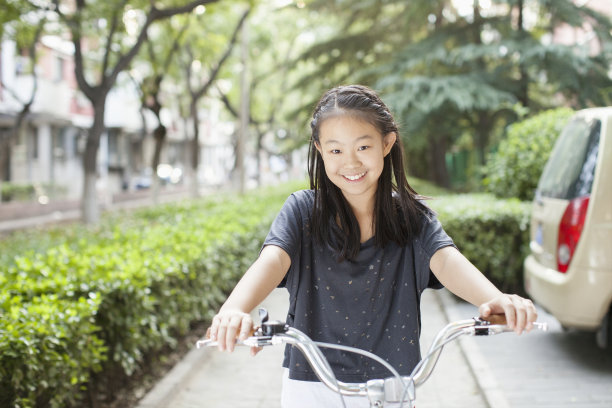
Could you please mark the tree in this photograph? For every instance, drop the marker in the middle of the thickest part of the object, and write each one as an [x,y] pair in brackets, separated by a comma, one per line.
[198,86]
[159,56]
[467,67]
[25,26]
[112,22]
[272,48]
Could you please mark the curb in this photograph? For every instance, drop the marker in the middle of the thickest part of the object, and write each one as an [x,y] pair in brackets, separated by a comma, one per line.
[165,390]
[491,391]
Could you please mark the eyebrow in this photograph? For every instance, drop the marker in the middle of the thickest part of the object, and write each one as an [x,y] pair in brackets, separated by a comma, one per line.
[356,140]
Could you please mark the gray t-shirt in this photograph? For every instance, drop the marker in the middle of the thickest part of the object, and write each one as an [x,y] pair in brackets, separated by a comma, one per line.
[371,302]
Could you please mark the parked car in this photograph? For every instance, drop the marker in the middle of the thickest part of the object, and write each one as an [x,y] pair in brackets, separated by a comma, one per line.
[569,269]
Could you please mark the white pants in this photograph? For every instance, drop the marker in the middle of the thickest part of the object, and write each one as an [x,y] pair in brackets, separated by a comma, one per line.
[309,394]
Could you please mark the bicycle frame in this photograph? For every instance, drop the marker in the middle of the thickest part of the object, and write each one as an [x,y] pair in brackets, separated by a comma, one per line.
[395,389]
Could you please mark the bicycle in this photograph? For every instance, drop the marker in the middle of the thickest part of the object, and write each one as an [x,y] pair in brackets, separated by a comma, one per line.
[394,389]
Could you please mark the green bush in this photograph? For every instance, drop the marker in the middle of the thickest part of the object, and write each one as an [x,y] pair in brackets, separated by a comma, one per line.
[16,192]
[48,347]
[492,233]
[515,169]
[151,274]
[29,192]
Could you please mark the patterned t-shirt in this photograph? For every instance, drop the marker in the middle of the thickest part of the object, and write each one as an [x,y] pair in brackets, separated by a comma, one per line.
[371,302]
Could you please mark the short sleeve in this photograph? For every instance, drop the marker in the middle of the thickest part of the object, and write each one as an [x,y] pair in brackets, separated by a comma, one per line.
[431,238]
[287,228]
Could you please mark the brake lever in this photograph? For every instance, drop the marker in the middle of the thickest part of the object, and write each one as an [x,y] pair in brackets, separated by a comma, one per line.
[485,328]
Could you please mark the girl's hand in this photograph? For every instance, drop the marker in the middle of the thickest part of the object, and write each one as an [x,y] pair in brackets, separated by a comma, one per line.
[520,313]
[227,326]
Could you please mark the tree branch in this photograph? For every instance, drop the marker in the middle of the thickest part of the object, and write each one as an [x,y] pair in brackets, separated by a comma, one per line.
[109,38]
[226,55]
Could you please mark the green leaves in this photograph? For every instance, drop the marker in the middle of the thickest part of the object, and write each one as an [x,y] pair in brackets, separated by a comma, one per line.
[514,171]
[491,233]
[100,300]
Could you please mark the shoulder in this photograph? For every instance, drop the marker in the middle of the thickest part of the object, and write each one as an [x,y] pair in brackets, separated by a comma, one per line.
[303,199]
[299,203]
[303,195]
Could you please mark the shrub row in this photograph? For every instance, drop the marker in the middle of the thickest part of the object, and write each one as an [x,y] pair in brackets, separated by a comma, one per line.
[84,313]
[492,233]
[515,169]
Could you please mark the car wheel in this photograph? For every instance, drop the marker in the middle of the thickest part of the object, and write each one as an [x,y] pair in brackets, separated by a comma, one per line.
[603,337]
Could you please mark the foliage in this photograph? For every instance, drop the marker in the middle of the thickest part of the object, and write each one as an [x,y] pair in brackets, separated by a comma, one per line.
[514,170]
[449,71]
[492,233]
[91,307]
[28,192]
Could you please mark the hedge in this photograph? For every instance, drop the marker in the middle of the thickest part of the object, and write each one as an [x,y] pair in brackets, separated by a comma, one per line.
[82,315]
[492,233]
[515,169]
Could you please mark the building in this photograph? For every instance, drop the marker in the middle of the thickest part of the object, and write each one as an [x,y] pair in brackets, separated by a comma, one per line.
[48,153]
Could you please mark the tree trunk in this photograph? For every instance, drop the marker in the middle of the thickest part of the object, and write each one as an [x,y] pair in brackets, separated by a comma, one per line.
[195,149]
[483,130]
[437,154]
[89,203]
[523,93]
[159,134]
[244,113]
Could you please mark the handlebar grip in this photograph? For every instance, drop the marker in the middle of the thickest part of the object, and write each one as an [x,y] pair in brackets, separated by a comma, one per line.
[495,319]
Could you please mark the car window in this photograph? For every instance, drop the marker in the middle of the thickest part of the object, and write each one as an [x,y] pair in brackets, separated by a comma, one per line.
[570,169]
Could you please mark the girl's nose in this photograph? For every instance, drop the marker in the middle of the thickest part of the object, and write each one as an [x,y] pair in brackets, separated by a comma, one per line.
[352,160]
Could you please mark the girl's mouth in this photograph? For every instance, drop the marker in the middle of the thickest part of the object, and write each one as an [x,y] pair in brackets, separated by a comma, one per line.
[355,177]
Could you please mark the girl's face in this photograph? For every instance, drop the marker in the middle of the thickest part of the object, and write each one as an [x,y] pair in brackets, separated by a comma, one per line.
[353,153]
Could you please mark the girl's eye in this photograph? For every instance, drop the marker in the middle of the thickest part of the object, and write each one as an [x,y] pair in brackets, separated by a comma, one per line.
[335,151]
[363,148]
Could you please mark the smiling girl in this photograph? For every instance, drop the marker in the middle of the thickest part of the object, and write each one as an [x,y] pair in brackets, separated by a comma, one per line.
[355,252]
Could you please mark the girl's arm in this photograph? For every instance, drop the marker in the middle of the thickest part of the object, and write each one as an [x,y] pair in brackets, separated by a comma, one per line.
[255,285]
[462,278]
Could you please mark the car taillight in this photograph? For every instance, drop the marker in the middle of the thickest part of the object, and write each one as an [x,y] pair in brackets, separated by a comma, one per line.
[570,230]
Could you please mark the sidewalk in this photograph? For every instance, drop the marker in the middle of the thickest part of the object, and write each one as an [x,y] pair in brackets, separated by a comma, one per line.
[17,216]
[208,378]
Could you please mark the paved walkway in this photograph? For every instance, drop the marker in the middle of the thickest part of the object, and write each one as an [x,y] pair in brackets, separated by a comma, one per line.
[208,378]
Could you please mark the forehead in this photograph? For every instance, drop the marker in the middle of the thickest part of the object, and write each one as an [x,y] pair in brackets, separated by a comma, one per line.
[346,129]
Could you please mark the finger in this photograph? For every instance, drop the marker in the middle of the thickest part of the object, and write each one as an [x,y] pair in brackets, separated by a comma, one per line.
[232,331]
[255,350]
[510,312]
[211,333]
[484,310]
[532,314]
[221,334]
[245,328]
[521,314]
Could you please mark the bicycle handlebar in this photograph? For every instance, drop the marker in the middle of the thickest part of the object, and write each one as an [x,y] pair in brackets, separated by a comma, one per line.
[392,389]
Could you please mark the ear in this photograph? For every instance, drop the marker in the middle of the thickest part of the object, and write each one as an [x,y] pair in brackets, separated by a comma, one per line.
[317,145]
[388,142]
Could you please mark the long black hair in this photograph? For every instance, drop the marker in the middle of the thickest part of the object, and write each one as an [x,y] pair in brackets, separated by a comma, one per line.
[398,210]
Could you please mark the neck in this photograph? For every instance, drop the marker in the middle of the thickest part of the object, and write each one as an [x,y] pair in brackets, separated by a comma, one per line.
[364,212]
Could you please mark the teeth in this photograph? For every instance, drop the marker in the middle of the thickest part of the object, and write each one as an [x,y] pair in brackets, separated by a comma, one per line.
[355,177]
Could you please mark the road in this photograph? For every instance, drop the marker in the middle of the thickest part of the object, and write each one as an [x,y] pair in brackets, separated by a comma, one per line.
[555,369]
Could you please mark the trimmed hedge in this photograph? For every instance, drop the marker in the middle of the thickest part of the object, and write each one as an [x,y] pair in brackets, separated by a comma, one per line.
[83,314]
[492,233]
[515,169]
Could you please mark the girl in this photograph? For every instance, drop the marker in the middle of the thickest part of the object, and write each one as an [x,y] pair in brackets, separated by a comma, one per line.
[355,253]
